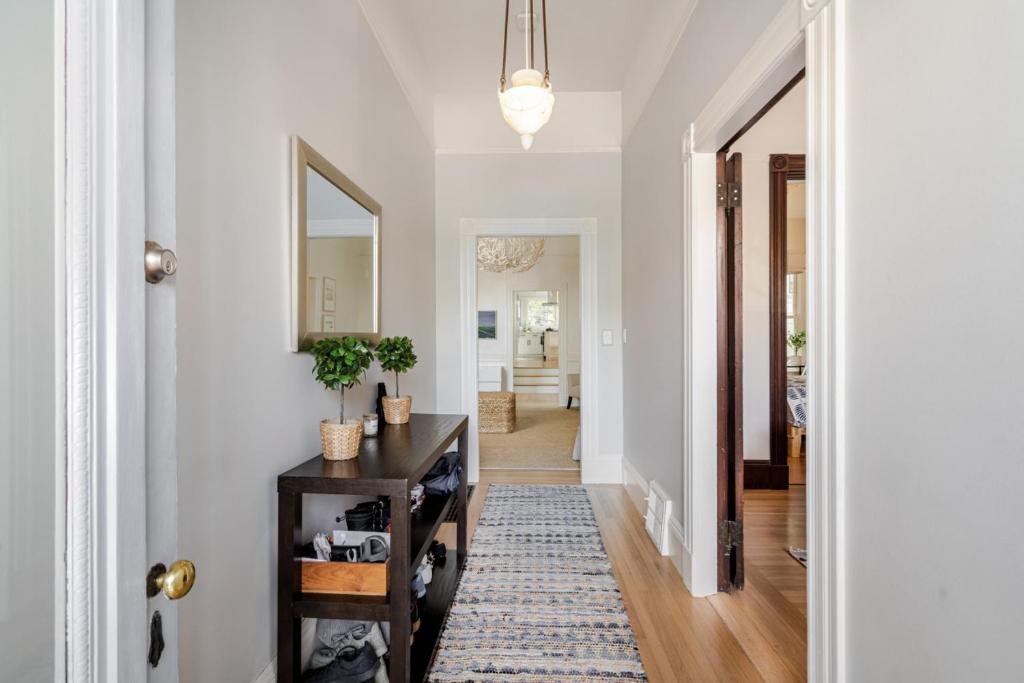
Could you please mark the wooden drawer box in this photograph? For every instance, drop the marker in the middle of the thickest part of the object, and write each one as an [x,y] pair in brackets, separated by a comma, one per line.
[346,578]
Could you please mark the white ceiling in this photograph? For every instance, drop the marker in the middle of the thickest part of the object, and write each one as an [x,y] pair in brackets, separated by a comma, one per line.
[441,48]
[591,41]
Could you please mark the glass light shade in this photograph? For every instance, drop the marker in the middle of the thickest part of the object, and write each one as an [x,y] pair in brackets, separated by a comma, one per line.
[527,105]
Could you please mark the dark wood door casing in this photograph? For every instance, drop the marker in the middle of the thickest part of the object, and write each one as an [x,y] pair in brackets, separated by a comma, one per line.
[730,367]
[782,169]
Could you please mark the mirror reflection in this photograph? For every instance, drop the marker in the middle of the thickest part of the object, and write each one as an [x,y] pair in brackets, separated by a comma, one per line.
[340,259]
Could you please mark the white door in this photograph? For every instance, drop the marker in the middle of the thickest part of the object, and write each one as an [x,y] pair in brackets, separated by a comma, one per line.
[88,466]
[161,328]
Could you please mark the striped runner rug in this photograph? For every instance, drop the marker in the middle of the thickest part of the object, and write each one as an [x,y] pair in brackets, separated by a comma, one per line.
[537,600]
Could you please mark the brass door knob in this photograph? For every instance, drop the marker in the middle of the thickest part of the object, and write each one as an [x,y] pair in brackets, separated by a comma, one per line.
[175,582]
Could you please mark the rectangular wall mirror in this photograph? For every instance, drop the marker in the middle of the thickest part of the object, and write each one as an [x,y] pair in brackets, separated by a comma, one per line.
[336,253]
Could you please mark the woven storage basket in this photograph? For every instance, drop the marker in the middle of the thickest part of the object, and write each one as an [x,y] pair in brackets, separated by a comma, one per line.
[340,441]
[396,409]
[497,412]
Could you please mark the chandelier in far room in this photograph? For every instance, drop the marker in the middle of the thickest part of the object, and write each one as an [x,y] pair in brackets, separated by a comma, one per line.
[527,104]
[508,254]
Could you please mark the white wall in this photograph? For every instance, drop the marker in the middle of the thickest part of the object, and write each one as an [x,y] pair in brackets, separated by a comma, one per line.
[531,185]
[934,332]
[28,402]
[249,75]
[783,130]
[716,37]
[558,269]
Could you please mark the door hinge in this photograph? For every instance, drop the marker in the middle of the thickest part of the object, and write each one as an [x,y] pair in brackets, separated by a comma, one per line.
[729,195]
[730,534]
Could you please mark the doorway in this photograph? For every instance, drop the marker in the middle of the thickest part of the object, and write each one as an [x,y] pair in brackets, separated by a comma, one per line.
[528,345]
[473,310]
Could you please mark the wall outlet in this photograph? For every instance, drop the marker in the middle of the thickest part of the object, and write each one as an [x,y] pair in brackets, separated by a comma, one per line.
[606,337]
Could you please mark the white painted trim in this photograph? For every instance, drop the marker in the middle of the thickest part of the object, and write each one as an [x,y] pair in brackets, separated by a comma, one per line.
[826,387]
[339,227]
[269,674]
[819,25]
[105,324]
[718,121]
[637,488]
[700,376]
[594,468]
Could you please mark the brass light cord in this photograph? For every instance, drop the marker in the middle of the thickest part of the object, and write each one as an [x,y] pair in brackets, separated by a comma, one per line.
[504,50]
[530,18]
[547,71]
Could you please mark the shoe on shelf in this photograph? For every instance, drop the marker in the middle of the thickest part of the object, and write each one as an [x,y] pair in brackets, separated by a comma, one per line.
[352,665]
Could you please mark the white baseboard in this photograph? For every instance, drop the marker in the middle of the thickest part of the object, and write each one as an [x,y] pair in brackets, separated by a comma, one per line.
[269,674]
[637,488]
[605,469]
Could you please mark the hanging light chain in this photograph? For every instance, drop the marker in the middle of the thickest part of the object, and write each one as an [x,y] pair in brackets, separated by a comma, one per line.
[544,11]
[529,31]
[504,50]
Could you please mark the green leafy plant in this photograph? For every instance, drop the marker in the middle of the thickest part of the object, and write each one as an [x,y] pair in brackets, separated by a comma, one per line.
[339,363]
[396,355]
[797,341]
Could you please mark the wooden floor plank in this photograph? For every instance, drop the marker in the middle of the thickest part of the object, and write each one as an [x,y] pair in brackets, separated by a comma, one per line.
[758,634]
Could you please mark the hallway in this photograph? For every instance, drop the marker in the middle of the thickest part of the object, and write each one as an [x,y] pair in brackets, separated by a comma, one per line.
[758,634]
[543,438]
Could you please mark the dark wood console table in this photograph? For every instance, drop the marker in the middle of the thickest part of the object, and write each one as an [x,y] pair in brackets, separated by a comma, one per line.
[389,464]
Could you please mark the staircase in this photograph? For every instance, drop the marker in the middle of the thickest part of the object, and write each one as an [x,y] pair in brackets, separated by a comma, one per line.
[535,380]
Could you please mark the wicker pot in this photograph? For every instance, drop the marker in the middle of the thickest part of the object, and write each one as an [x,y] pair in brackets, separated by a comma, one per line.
[396,409]
[341,441]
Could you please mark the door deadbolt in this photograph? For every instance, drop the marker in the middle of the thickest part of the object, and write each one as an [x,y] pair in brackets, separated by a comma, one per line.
[160,262]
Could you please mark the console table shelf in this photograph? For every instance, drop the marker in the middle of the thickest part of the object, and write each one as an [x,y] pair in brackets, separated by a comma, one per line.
[389,464]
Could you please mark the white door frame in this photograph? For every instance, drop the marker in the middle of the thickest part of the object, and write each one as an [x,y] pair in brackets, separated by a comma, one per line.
[805,32]
[101,62]
[510,356]
[586,230]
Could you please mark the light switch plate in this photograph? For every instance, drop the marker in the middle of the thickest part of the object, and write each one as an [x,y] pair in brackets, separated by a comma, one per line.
[606,337]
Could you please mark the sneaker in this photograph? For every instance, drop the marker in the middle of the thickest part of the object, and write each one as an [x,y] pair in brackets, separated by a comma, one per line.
[350,666]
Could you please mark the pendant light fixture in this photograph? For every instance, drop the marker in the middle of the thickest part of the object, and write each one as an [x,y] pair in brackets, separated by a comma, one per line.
[527,103]
[508,254]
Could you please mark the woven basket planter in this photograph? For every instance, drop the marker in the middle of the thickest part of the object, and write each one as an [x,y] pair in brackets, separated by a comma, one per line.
[497,412]
[341,441]
[397,409]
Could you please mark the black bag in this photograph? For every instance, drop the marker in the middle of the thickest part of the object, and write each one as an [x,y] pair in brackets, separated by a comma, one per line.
[443,478]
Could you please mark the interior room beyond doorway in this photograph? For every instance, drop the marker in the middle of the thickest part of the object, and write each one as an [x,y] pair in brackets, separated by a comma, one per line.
[529,356]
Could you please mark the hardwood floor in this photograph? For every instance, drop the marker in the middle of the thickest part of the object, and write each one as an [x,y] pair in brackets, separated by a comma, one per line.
[757,634]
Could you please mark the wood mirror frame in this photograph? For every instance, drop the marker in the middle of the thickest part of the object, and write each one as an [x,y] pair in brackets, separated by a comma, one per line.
[304,157]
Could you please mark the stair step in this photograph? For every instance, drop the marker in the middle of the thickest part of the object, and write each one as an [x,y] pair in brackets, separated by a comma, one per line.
[543,389]
[536,372]
[537,381]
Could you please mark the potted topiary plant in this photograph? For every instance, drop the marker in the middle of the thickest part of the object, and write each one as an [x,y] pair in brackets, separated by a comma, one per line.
[797,341]
[339,364]
[396,355]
